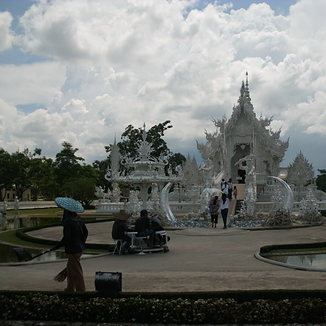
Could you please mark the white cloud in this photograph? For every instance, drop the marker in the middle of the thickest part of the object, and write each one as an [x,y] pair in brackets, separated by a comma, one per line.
[128,62]
[6,35]
[31,83]
[311,114]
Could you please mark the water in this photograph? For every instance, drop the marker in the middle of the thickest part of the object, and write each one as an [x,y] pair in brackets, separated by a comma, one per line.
[306,260]
[9,255]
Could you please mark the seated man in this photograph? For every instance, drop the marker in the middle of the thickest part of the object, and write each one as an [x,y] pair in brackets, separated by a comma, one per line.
[119,228]
[143,227]
[156,225]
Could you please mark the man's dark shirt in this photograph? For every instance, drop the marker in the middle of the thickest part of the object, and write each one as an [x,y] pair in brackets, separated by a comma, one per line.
[118,229]
[142,224]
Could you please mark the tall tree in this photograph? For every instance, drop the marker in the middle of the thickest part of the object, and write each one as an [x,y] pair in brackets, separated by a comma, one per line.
[81,189]
[321,180]
[101,167]
[43,177]
[67,164]
[175,160]
[20,171]
[132,137]
[5,173]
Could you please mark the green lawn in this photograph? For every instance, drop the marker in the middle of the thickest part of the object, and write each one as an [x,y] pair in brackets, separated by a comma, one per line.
[40,217]
[37,212]
[10,237]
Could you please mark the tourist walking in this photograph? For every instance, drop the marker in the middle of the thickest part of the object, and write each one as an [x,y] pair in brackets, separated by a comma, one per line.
[235,192]
[214,207]
[224,204]
[230,188]
[74,237]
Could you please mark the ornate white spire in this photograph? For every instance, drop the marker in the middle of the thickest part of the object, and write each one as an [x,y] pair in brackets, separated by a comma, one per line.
[246,91]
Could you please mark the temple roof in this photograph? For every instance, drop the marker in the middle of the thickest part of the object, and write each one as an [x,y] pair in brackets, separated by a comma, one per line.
[245,110]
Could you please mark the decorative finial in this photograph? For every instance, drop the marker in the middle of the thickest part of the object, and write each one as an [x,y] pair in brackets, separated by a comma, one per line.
[247,94]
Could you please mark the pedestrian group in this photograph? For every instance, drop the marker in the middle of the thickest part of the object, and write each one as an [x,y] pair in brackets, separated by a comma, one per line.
[217,205]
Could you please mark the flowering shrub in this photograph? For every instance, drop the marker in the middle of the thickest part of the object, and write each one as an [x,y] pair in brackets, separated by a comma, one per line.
[40,306]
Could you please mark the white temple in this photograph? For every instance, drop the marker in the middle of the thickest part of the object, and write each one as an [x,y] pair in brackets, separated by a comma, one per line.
[241,141]
[243,148]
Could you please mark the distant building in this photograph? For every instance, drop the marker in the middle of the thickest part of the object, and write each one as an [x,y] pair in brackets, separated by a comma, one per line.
[10,195]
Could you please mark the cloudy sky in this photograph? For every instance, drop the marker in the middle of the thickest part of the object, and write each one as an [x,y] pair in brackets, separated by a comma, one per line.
[82,70]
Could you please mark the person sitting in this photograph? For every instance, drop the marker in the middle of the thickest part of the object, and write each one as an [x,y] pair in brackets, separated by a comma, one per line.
[143,228]
[156,225]
[119,230]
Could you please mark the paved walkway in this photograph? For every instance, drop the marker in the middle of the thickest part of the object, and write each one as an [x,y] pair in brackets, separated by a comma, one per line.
[199,260]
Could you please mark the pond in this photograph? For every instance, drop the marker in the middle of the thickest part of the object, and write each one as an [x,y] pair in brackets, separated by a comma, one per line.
[11,254]
[315,261]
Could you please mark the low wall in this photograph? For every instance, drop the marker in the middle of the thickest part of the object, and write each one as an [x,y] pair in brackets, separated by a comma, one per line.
[30,204]
[267,206]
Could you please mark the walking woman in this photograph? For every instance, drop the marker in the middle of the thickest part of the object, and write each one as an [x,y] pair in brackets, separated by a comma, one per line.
[214,206]
[74,237]
[224,208]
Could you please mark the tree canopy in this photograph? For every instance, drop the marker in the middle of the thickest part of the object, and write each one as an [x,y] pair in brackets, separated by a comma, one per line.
[132,137]
[321,180]
[67,174]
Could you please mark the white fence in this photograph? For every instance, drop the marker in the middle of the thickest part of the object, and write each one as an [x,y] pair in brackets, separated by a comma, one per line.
[29,204]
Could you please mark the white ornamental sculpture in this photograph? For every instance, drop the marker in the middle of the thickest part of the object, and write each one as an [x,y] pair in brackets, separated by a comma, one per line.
[144,173]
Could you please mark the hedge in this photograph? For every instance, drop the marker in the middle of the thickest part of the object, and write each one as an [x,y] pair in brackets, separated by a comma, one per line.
[21,234]
[54,307]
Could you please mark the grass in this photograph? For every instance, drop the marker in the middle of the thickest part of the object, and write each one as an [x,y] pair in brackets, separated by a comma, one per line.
[45,217]
[11,238]
[37,212]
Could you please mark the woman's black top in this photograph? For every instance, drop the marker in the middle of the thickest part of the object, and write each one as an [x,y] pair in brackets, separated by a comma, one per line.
[74,235]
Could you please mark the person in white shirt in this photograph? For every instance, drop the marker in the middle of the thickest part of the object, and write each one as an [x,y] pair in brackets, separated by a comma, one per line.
[224,208]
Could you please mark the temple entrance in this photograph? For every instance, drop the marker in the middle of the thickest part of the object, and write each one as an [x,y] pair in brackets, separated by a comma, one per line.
[241,178]
[237,173]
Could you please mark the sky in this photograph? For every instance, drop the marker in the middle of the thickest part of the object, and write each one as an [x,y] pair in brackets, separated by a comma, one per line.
[83,70]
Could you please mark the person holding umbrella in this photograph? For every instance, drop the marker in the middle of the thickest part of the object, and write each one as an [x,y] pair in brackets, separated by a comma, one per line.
[74,237]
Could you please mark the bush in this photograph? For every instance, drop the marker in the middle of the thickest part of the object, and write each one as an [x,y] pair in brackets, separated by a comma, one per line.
[92,308]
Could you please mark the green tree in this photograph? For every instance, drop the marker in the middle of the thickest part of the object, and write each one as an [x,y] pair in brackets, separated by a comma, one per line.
[38,171]
[20,171]
[43,178]
[81,189]
[67,164]
[132,137]
[101,167]
[321,180]
[49,187]
[176,159]
[5,173]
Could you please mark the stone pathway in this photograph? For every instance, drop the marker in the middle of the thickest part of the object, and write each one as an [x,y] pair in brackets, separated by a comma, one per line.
[199,260]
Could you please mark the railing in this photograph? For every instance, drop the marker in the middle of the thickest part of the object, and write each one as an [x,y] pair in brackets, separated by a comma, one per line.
[184,207]
[107,207]
[28,204]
